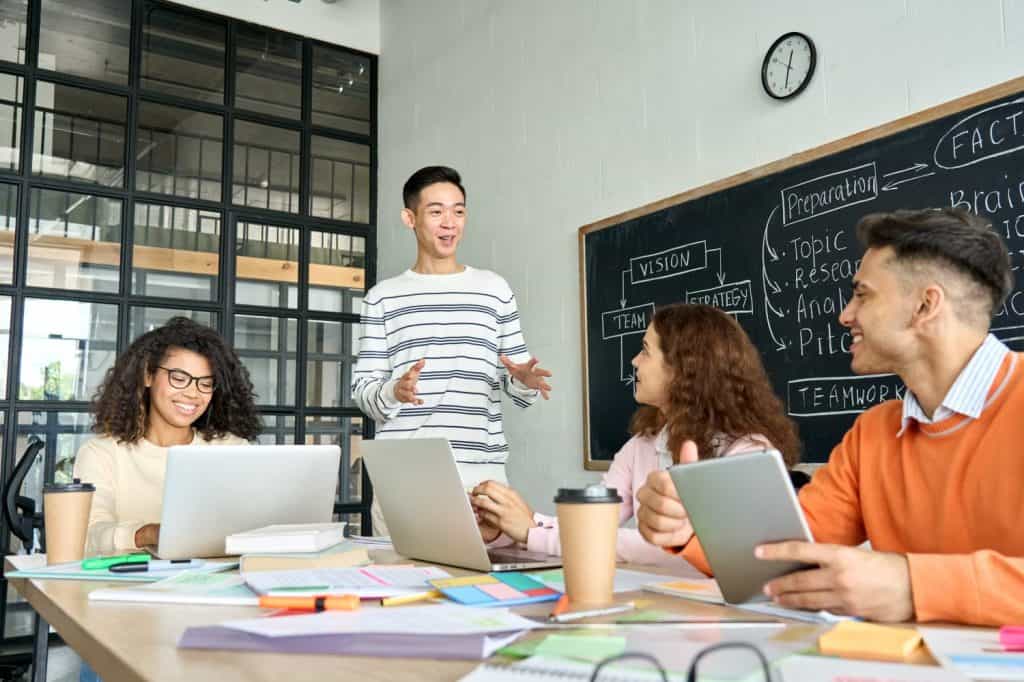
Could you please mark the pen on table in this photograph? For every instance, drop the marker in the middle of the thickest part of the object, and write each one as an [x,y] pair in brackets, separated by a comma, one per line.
[666,625]
[561,606]
[575,615]
[410,598]
[341,602]
[101,562]
[156,565]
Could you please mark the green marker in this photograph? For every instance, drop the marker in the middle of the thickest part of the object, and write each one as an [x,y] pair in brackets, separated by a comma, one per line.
[103,562]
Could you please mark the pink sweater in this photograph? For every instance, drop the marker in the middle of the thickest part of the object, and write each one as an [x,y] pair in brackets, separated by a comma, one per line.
[627,474]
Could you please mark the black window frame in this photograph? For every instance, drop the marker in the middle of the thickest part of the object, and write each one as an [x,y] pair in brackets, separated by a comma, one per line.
[223,306]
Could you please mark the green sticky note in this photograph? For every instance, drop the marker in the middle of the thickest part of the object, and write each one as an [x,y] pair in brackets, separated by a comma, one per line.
[588,648]
[519,581]
[553,576]
[521,649]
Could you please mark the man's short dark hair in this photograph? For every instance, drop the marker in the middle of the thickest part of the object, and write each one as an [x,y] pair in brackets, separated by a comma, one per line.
[948,237]
[424,177]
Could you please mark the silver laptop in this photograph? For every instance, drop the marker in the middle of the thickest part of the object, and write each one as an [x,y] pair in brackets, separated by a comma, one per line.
[427,510]
[213,491]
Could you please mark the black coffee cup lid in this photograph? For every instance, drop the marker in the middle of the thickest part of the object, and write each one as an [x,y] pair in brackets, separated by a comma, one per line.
[591,494]
[76,486]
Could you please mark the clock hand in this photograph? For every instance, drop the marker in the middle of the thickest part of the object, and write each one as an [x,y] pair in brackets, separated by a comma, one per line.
[789,67]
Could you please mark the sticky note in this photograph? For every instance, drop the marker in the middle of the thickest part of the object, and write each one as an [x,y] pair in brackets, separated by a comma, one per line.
[519,581]
[469,595]
[851,639]
[581,647]
[501,591]
[464,580]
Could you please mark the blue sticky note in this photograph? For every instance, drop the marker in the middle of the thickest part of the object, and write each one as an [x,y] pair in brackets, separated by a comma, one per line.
[468,594]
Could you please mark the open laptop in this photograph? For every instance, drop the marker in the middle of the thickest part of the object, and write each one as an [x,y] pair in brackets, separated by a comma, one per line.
[213,491]
[427,510]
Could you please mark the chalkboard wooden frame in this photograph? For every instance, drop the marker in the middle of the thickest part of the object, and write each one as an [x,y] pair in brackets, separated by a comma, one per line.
[925,116]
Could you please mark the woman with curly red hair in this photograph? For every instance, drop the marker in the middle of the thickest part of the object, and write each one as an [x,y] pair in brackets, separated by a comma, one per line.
[698,378]
[179,384]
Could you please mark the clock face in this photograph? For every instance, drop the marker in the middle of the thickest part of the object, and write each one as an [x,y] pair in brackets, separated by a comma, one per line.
[788,66]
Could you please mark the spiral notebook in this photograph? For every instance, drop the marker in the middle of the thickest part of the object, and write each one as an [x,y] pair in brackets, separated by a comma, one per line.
[539,669]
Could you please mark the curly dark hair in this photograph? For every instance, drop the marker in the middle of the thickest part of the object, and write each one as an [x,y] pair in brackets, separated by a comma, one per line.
[121,403]
[719,387]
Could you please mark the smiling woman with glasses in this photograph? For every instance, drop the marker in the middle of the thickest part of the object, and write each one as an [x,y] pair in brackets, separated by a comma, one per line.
[179,384]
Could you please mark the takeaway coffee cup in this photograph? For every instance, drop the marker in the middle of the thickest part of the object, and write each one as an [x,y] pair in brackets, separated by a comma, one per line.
[66,518]
[588,522]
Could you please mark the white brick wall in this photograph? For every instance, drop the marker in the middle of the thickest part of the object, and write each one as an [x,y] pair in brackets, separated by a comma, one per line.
[562,112]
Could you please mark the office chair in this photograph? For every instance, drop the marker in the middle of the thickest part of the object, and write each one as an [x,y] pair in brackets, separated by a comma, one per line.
[20,511]
[23,520]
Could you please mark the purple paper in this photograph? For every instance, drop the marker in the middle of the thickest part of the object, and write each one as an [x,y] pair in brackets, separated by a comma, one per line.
[464,647]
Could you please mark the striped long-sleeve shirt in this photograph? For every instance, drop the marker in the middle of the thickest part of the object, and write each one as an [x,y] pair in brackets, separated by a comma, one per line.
[459,324]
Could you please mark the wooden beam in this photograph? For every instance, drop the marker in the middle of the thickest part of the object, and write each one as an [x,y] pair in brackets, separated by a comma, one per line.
[72,250]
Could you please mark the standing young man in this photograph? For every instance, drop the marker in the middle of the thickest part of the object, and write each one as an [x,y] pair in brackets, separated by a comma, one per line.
[933,481]
[441,340]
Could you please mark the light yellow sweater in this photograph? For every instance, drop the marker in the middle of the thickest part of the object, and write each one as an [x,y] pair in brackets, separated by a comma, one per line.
[129,480]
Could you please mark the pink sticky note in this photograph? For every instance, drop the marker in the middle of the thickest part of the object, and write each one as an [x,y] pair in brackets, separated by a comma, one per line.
[501,591]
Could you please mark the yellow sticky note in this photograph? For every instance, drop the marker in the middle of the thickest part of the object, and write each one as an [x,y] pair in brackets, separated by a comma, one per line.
[464,580]
[852,639]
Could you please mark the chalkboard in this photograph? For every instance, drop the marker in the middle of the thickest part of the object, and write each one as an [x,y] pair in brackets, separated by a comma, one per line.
[775,247]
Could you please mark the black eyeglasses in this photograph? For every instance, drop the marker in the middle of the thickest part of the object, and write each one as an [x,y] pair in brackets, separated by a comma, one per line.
[692,674]
[179,378]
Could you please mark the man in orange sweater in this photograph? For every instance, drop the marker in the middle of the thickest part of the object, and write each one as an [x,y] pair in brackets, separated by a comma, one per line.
[936,481]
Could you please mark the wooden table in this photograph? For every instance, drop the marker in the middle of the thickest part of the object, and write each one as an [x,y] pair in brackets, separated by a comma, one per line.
[126,641]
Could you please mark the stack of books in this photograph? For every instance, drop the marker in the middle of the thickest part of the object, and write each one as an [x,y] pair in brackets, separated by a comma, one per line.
[295,546]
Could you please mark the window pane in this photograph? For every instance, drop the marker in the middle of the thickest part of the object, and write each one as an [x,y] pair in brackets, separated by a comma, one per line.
[142,320]
[179,152]
[88,39]
[176,252]
[267,346]
[74,241]
[66,347]
[341,180]
[329,362]
[278,429]
[268,75]
[5,349]
[341,90]
[346,432]
[10,117]
[337,274]
[8,220]
[266,167]
[266,265]
[13,22]
[183,54]
[79,134]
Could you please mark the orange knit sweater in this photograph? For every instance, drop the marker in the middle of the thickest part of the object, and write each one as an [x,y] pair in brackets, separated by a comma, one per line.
[949,495]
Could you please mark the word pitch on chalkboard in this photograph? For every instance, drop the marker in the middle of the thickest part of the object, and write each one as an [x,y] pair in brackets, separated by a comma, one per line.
[776,248]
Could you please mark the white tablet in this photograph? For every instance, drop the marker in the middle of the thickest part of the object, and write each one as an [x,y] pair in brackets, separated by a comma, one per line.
[736,503]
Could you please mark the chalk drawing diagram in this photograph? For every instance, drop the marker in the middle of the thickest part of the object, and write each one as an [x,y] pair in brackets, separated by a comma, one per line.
[735,298]
[807,264]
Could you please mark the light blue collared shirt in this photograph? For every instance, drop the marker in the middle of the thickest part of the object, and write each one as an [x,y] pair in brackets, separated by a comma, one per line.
[968,393]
